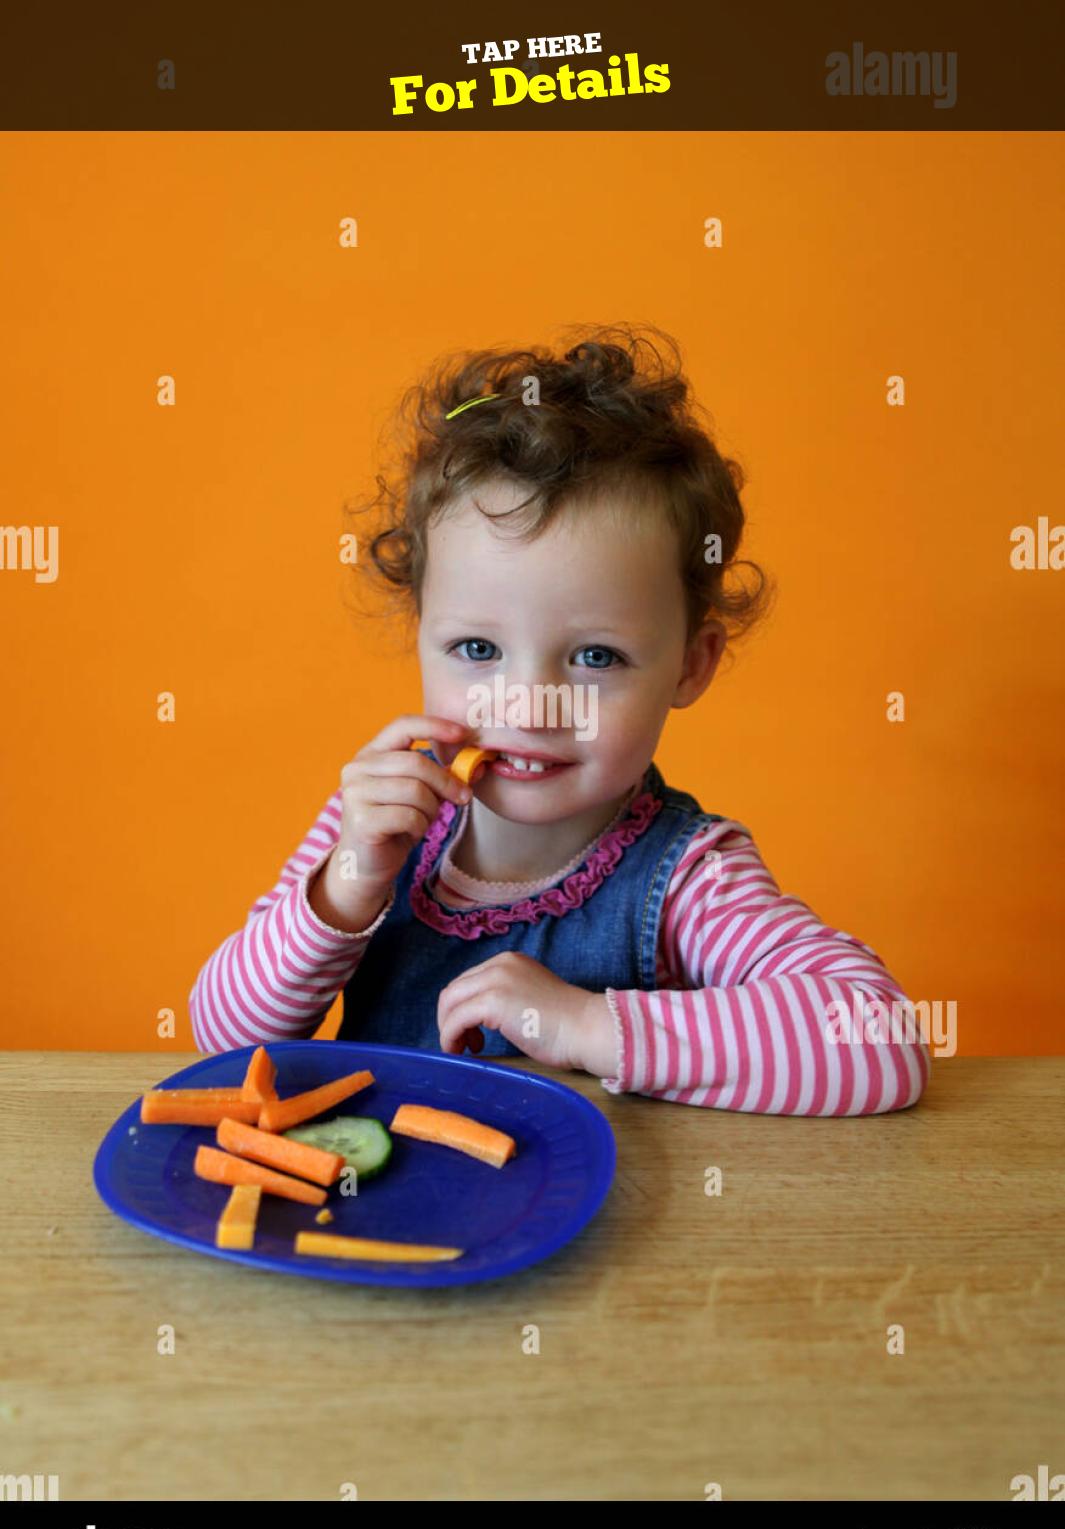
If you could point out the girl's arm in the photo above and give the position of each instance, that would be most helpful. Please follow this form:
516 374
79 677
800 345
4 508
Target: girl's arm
275 979
740 1020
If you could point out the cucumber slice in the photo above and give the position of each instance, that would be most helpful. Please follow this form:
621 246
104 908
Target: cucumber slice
364 1143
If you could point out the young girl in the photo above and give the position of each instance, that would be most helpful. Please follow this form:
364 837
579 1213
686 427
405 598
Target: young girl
564 528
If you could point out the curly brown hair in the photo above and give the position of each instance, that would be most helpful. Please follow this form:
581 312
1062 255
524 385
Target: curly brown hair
612 412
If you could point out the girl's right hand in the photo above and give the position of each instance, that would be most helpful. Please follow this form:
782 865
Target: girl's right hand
391 794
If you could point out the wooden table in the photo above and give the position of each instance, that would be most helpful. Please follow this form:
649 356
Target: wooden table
684 1339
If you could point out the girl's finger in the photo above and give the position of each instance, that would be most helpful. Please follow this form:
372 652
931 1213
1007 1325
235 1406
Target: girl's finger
399 791
403 731
469 1040
408 763
469 986
458 982
385 822
473 1013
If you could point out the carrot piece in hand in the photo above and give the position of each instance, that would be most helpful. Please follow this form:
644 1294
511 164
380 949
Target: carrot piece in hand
236 1224
452 1130
295 1157
159 1108
468 764
259 1079
221 1168
280 1114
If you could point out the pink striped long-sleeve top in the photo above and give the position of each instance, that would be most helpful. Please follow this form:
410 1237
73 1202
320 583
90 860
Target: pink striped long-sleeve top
737 1021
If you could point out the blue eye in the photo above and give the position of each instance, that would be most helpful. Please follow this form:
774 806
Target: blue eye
474 642
481 650
600 653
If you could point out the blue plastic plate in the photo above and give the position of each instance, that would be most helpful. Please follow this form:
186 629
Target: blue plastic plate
504 1218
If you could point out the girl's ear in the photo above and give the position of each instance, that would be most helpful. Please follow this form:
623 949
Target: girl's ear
701 658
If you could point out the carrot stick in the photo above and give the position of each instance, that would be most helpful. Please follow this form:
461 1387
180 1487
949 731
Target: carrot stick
196 1095
295 1157
236 1224
280 1114
452 1130
259 1079
334 1245
223 1169
158 1110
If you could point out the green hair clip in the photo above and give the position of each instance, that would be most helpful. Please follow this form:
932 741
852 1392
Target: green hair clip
481 398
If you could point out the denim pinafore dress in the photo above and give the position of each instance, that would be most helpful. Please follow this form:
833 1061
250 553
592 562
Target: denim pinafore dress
595 928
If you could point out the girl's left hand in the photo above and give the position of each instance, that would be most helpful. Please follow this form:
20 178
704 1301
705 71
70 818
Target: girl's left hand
548 1019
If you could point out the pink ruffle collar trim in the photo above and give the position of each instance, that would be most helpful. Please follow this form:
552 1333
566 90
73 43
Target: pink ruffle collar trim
574 890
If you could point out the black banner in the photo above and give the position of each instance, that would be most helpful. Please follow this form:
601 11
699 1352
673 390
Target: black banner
566 65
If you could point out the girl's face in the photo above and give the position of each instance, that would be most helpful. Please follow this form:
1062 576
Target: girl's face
593 607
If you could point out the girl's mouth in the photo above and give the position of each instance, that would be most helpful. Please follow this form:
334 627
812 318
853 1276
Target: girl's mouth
526 767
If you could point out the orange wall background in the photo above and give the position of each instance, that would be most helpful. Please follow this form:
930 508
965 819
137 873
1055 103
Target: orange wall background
198 544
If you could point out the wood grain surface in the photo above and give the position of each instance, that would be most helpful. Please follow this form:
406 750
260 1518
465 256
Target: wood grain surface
684 1339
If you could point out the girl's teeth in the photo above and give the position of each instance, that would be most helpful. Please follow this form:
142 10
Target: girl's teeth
536 766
